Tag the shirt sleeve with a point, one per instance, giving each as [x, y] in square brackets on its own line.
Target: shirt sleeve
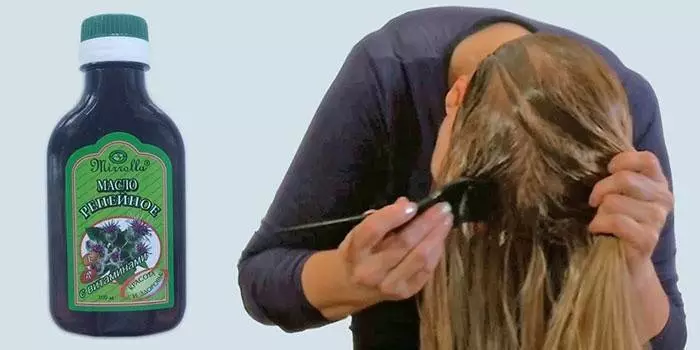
[334, 173]
[645, 109]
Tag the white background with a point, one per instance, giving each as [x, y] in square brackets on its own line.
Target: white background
[242, 80]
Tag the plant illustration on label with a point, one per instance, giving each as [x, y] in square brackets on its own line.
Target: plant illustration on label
[115, 250]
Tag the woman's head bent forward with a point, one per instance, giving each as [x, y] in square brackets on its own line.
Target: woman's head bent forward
[542, 117]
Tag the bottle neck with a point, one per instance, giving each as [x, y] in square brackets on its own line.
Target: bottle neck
[115, 80]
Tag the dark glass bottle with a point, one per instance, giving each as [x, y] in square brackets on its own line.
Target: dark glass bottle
[116, 195]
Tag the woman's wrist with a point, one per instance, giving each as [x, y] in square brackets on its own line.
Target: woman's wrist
[654, 307]
[328, 287]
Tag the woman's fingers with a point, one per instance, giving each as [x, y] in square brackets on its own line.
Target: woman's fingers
[641, 238]
[423, 258]
[393, 249]
[369, 232]
[413, 233]
[630, 184]
[643, 162]
[633, 202]
[646, 213]
[389, 260]
[374, 268]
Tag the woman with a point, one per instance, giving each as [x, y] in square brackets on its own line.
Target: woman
[391, 107]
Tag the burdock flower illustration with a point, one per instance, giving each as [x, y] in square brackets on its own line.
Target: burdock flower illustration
[139, 228]
[116, 256]
[111, 231]
[117, 244]
[142, 249]
[95, 247]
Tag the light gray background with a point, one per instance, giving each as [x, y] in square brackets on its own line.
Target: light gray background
[242, 80]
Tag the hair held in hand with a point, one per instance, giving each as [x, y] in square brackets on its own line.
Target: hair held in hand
[543, 117]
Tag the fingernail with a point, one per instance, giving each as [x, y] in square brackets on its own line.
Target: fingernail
[448, 221]
[368, 212]
[446, 208]
[401, 288]
[411, 208]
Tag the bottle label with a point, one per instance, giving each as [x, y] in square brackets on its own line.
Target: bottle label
[120, 226]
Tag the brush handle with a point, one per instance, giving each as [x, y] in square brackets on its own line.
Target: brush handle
[348, 220]
[461, 210]
[422, 206]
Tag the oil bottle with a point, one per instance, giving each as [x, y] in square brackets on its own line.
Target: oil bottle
[116, 194]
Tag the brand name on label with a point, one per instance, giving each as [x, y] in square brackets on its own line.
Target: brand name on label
[118, 162]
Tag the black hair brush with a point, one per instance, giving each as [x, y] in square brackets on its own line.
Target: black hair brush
[471, 201]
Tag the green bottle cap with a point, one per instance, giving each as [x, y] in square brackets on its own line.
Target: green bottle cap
[110, 25]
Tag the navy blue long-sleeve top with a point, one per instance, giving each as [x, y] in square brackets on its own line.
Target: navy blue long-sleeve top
[371, 141]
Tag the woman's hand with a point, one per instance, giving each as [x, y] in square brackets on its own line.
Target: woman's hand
[388, 263]
[382, 258]
[633, 203]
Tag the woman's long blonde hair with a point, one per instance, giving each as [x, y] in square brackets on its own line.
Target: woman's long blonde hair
[542, 118]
